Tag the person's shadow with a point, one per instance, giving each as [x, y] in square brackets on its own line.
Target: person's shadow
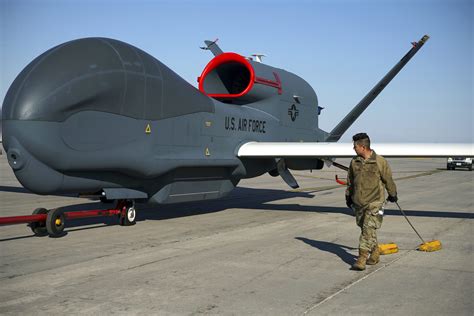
[339, 250]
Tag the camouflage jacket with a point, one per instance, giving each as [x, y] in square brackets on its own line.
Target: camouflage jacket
[367, 179]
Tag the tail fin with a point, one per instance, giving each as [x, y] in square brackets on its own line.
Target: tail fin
[340, 129]
[213, 47]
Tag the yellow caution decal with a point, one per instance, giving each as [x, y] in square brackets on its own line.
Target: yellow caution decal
[148, 129]
[208, 153]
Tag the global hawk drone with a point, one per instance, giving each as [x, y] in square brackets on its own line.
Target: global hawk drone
[100, 117]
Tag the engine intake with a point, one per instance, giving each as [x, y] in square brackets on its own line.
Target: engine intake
[230, 76]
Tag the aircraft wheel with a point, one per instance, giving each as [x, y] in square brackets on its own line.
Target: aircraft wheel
[129, 216]
[55, 222]
[39, 228]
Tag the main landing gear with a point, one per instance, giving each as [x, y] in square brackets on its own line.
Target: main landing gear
[45, 222]
[128, 214]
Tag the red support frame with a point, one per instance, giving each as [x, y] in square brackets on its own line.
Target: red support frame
[12, 220]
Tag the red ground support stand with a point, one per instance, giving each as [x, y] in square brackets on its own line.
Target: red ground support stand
[40, 220]
[341, 182]
[12, 220]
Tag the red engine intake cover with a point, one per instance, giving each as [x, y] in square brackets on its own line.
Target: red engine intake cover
[235, 65]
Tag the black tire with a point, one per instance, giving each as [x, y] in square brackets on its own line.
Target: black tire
[39, 228]
[129, 218]
[55, 223]
[470, 168]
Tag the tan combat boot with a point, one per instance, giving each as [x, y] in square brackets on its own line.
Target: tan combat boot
[360, 263]
[374, 256]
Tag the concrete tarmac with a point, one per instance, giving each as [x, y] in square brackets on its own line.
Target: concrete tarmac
[264, 250]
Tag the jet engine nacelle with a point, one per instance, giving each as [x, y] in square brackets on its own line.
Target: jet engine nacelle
[232, 78]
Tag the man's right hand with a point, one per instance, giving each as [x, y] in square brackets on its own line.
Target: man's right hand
[392, 199]
[349, 201]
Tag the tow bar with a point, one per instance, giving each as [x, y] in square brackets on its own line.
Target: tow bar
[45, 222]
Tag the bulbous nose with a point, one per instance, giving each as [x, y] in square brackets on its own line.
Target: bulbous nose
[81, 75]
[92, 74]
[100, 74]
[48, 110]
[65, 79]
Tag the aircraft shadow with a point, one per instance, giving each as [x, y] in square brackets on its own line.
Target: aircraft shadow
[240, 198]
[18, 237]
[243, 198]
[258, 199]
[6, 188]
[13, 189]
[338, 250]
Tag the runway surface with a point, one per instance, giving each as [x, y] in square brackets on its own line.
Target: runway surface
[264, 250]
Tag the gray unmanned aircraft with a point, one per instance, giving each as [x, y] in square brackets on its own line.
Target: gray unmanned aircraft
[102, 118]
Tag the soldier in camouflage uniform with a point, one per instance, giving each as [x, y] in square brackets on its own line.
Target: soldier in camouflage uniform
[368, 176]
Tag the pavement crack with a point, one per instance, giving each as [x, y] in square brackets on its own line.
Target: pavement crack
[148, 263]
[261, 275]
[14, 276]
[354, 283]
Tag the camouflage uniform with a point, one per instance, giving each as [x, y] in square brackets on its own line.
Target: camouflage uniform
[366, 181]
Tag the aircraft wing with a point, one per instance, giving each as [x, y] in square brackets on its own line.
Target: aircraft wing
[345, 150]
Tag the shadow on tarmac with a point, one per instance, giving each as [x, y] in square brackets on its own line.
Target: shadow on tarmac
[13, 189]
[338, 250]
[6, 188]
[242, 198]
[19, 237]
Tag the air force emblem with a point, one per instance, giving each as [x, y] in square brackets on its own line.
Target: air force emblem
[293, 112]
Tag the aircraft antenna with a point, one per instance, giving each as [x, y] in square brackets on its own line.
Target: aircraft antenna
[258, 57]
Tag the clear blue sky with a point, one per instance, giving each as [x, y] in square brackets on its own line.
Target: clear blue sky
[342, 48]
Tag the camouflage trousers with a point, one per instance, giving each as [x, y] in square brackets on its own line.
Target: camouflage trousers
[368, 219]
